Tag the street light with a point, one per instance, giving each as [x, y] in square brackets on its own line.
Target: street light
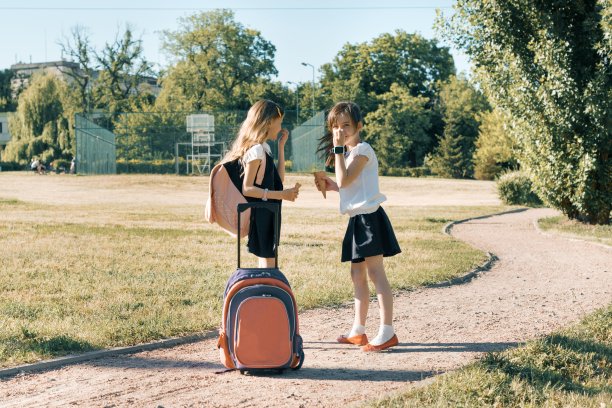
[313, 85]
[297, 101]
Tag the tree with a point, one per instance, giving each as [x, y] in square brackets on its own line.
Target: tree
[78, 49]
[460, 105]
[123, 68]
[360, 72]
[6, 94]
[495, 148]
[217, 60]
[112, 79]
[398, 130]
[40, 127]
[548, 64]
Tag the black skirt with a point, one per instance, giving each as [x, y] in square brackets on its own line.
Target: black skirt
[369, 235]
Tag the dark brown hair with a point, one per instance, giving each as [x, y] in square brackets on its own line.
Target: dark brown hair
[326, 142]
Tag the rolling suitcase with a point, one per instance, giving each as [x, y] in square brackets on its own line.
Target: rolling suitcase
[259, 325]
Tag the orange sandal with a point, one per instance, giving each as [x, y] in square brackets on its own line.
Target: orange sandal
[389, 343]
[358, 340]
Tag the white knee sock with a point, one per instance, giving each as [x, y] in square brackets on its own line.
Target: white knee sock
[385, 332]
[356, 330]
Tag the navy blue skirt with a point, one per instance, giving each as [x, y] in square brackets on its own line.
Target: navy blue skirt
[369, 235]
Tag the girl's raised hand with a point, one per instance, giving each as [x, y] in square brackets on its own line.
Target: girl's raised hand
[338, 136]
[282, 139]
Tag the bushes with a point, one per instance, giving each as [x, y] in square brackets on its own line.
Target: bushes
[515, 188]
[10, 166]
[158, 166]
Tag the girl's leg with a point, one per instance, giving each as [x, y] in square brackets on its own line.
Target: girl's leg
[266, 262]
[362, 294]
[376, 272]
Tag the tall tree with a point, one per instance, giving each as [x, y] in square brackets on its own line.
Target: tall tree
[548, 64]
[77, 48]
[40, 127]
[216, 61]
[360, 72]
[398, 130]
[495, 148]
[121, 84]
[461, 106]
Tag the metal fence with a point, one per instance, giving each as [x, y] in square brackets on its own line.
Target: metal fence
[95, 148]
[305, 140]
[177, 142]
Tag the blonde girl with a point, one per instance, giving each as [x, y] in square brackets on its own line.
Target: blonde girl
[261, 180]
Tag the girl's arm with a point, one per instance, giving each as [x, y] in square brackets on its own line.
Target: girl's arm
[281, 153]
[345, 176]
[250, 190]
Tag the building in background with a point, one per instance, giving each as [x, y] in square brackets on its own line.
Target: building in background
[23, 72]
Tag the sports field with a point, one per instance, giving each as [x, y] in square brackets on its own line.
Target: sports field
[91, 262]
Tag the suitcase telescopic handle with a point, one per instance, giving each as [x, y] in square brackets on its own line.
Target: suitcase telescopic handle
[275, 208]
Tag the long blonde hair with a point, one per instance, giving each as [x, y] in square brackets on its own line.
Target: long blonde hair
[254, 129]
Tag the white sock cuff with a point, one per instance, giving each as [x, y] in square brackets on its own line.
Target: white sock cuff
[357, 330]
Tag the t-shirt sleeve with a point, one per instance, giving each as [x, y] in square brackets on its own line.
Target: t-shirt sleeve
[254, 153]
[364, 150]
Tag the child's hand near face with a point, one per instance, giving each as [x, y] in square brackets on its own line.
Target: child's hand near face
[339, 136]
[282, 139]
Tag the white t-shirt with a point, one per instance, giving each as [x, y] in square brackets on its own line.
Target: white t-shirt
[363, 195]
[257, 152]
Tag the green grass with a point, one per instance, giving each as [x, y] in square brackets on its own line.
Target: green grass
[570, 368]
[85, 277]
[571, 228]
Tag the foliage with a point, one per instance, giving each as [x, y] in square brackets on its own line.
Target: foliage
[461, 106]
[398, 129]
[516, 188]
[120, 86]
[147, 134]
[112, 80]
[495, 148]
[40, 127]
[548, 65]
[7, 104]
[216, 61]
[361, 72]
[158, 166]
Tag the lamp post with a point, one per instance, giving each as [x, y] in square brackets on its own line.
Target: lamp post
[297, 101]
[313, 85]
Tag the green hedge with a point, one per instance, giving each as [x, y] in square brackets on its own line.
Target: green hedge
[11, 166]
[515, 188]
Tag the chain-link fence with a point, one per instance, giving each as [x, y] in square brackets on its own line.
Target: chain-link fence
[177, 142]
[95, 148]
[305, 140]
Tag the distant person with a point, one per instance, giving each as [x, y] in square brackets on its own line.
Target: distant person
[73, 166]
[369, 236]
[37, 166]
[262, 180]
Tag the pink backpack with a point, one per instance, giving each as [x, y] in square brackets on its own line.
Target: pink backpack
[223, 199]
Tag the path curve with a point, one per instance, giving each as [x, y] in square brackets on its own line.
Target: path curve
[538, 284]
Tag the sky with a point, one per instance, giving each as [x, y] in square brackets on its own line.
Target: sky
[312, 31]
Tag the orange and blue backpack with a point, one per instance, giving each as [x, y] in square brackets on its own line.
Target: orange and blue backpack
[259, 325]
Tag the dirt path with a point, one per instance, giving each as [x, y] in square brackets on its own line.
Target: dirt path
[539, 284]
